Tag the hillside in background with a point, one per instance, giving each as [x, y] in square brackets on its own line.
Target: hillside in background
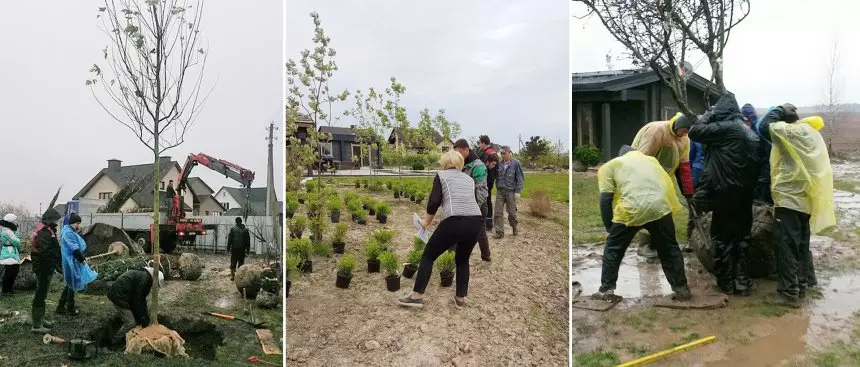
[846, 131]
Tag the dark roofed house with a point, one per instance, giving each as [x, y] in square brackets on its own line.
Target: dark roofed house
[204, 203]
[396, 138]
[233, 200]
[115, 176]
[609, 107]
[345, 144]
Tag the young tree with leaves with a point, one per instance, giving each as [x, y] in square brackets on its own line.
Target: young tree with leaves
[152, 80]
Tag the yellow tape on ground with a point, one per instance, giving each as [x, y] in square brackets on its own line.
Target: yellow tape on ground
[668, 352]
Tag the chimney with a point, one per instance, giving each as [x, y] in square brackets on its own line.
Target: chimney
[164, 159]
[352, 127]
[114, 164]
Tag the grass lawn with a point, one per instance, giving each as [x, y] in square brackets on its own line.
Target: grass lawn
[555, 184]
[587, 224]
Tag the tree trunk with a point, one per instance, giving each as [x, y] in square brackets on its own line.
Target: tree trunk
[156, 226]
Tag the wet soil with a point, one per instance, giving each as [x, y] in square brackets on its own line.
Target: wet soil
[517, 313]
[749, 332]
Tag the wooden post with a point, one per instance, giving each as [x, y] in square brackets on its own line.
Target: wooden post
[607, 132]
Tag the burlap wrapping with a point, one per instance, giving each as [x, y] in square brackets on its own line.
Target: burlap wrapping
[155, 338]
[190, 266]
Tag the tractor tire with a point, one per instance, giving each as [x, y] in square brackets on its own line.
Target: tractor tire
[167, 242]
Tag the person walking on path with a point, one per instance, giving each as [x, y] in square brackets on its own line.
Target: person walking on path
[802, 190]
[487, 153]
[636, 193]
[128, 295]
[10, 252]
[239, 245]
[476, 169]
[76, 273]
[46, 255]
[459, 225]
[509, 185]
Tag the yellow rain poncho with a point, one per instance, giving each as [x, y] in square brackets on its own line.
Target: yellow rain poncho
[658, 140]
[801, 176]
[642, 189]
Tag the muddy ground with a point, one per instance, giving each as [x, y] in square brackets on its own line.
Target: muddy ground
[209, 341]
[517, 313]
[749, 332]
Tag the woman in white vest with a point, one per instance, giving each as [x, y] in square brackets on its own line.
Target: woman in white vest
[459, 226]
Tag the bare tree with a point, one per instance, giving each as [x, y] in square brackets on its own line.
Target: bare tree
[663, 34]
[833, 109]
[152, 83]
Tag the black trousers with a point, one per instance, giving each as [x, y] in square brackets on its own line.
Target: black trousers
[237, 259]
[489, 214]
[67, 300]
[731, 227]
[663, 240]
[461, 232]
[9, 275]
[43, 283]
[792, 251]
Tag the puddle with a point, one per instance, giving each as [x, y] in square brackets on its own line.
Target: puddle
[637, 278]
[829, 315]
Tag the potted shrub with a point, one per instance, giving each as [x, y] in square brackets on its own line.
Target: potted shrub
[353, 206]
[370, 206]
[291, 263]
[345, 266]
[382, 212]
[301, 248]
[384, 237]
[418, 244]
[585, 156]
[365, 183]
[388, 260]
[361, 217]
[297, 226]
[338, 238]
[412, 260]
[334, 206]
[311, 185]
[349, 195]
[397, 190]
[445, 264]
[357, 183]
[321, 249]
[419, 196]
[314, 205]
[389, 185]
[317, 226]
[372, 249]
[301, 197]
[292, 206]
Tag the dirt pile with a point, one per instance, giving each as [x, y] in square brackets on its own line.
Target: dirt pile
[190, 266]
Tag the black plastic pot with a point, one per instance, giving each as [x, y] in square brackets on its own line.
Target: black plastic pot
[335, 217]
[409, 270]
[447, 278]
[358, 185]
[290, 215]
[287, 288]
[396, 194]
[307, 266]
[413, 198]
[372, 266]
[392, 283]
[342, 282]
[371, 211]
[362, 221]
[365, 207]
[301, 201]
[382, 218]
[296, 235]
[338, 248]
[355, 217]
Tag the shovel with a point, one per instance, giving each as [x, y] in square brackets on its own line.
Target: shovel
[697, 222]
[231, 317]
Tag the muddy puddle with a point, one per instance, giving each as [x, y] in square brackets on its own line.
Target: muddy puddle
[637, 277]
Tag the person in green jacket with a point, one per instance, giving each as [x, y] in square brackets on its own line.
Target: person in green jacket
[10, 257]
[478, 171]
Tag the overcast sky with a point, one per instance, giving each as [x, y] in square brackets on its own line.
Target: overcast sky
[55, 134]
[497, 67]
[780, 53]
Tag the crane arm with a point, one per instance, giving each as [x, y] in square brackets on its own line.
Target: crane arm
[230, 170]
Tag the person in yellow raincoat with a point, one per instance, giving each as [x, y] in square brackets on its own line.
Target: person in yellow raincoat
[667, 141]
[636, 193]
[802, 189]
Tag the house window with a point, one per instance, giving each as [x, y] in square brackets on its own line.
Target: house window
[226, 206]
[584, 124]
[207, 213]
[326, 147]
[105, 195]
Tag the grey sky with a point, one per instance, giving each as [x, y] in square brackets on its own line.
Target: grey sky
[780, 53]
[497, 67]
[55, 134]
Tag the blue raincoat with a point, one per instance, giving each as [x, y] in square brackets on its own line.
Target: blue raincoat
[76, 274]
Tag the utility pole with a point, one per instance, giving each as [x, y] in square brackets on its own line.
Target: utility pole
[271, 202]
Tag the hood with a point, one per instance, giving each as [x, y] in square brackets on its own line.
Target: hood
[471, 157]
[816, 122]
[625, 149]
[241, 225]
[748, 111]
[51, 216]
[726, 109]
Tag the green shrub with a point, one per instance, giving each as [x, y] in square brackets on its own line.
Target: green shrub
[588, 155]
[384, 236]
[291, 263]
[298, 224]
[340, 231]
[372, 249]
[376, 186]
[354, 206]
[318, 225]
[361, 214]
[292, 206]
[383, 209]
[291, 195]
[333, 205]
[418, 244]
[311, 185]
[388, 261]
[349, 196]
[414, 256]
[345, 266]
[357, 183]
[314, 206]
[445, 262]
[415, 161]
[322, 249]
[389, 185]
[300, 247]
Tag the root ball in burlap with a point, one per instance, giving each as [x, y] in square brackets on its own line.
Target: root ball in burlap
[190, 266]
[157, 339]
[267, 300]
[249, 278]
[762, 258]
[26, 280]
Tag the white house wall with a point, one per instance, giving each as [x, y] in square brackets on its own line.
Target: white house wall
[224, 197]
[104, 184]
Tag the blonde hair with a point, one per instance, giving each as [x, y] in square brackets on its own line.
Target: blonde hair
[451, 159]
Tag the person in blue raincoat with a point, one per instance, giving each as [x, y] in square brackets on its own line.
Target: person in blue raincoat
[697, 163]
[76, 273]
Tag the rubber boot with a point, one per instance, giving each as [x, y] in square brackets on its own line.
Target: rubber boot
[742, 281]
[61, 304]
[724, 268]
[232, 274]
[682, 293]
[38, 327]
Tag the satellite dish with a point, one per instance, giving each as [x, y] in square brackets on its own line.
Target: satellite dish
[685, 71]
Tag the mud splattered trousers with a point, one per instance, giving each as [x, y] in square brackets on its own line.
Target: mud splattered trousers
[662, 232]
[505, 201]
[128, 323]
[461, 232]
[731, 227]
[792, 251]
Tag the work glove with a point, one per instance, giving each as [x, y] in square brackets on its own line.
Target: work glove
[789, 112]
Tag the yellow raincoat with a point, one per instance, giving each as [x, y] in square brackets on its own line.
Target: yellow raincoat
[801, 176]
[658, 140]
[642, 190]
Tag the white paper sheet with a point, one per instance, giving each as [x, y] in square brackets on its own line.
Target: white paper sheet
[422, 232]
